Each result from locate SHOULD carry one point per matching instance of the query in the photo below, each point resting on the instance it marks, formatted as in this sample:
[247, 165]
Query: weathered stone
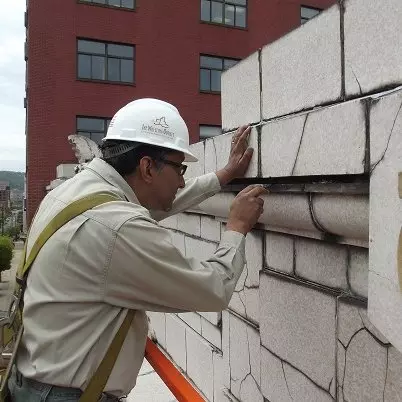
[241, 93]
[372, 45]
[321, 262]
[195, 169]
[365, 370]
[393, 386]
[279, 252]
[176, 340]
[303, 69]
[297, 323]
[358, 271]
[210, 229]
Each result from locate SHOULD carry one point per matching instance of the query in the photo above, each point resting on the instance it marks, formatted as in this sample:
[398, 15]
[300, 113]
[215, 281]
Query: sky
[12, 86]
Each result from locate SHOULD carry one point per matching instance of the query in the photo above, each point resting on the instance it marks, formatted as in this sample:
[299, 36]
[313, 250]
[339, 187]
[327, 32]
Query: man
[115, 257]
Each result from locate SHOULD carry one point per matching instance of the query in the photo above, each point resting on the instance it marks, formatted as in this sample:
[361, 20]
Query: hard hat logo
[161, 122]
[149, 129]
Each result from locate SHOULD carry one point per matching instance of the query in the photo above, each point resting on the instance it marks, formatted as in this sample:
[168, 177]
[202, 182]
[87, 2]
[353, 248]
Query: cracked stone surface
[176, 340]
[244, 354]
[297, 324]
[280, 141]
[200, 363]
[352, 319]
[279, 252]
[217, 152]
[334, 141]
[321, 262]
[341, 358]
[221, 378]
[210, 229]
[250, 391]
[189, 223]
[211, 333]
[372, 35]
[358, 271]
[385, 307]
[393, 386]
[273, 382]
[192, 319]
[365, 369]
[157, 323]
[289, 85]
[241, 94]
[245, 300]
[301, 389]
[196, 169]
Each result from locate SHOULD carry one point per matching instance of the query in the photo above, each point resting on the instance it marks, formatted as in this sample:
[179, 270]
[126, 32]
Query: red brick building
[87, 58]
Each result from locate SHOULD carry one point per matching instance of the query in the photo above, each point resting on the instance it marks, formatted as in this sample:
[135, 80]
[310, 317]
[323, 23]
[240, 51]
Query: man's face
[168, 180]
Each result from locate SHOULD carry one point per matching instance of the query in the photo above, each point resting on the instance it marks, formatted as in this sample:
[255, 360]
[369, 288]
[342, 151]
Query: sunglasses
[182, 168]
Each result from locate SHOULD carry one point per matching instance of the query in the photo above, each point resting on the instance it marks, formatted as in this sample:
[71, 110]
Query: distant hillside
[16, 179]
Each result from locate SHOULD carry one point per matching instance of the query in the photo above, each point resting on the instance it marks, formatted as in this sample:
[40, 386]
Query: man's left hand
[239, 158]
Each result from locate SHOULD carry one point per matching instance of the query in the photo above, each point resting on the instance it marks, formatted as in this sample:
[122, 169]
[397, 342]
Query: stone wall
[325, 107]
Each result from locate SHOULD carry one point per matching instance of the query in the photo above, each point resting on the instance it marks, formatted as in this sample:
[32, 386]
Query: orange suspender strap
[172, 377]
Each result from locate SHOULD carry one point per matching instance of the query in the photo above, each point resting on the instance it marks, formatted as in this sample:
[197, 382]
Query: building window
[306, 13]
[225, 12]
[130, 4]
[211, 70]
[94, 128]
[105, 61]
[209, 131]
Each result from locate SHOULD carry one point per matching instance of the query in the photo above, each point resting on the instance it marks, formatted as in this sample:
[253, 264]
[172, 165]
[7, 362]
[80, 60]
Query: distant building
[5, 200]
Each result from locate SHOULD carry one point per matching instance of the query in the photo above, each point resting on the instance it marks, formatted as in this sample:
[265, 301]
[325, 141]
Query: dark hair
[125, 156]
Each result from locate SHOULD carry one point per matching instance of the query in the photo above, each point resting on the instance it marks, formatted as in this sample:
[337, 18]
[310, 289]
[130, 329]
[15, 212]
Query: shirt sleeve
[195, 191]
[147, 272]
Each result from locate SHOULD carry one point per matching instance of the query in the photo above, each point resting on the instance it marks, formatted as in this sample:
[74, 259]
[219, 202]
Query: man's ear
[146, 169]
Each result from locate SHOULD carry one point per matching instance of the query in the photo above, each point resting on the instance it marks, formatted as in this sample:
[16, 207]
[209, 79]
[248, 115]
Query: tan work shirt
[107, 260]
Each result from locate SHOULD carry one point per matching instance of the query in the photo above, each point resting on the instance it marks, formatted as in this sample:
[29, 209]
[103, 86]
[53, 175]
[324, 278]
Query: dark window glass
[306, 13]
[211, 70]
[225, 12]
[216, 12]
[94, 128]
[229, 14]
[113, 70]
[113, 3]
[98, 68]
[205, 80]
[216, 80]
[126, 70]
[105, 61]
[84, 66]
[205, 10]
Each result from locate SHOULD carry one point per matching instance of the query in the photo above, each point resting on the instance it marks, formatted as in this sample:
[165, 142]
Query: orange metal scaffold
[172, 377]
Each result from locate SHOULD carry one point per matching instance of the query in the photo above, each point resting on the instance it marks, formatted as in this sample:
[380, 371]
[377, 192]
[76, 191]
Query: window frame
[311, 8]
[91, 3]
[222, 24]
[106, 57]
[223, 58]
[81, 132]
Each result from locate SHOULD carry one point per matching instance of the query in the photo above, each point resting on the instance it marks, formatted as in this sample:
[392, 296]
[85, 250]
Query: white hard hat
[154, 122]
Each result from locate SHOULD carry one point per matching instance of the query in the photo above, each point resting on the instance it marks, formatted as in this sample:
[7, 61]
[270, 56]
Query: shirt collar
[103, 169]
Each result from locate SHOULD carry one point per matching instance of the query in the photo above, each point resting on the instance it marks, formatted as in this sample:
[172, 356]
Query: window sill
[217, 24]
[107, 6]
[210, 92]
[130, 84]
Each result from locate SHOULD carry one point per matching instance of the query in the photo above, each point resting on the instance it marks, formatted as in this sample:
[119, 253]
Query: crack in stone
[294, 256]
[389, 139]
[297, 369]
[386, 377]
[348, 258]
[243, 303]
[216, 156]
[358, 83]
[330, 383]
[350, 340]
[373, 335]
[298, 149]
[286, 381]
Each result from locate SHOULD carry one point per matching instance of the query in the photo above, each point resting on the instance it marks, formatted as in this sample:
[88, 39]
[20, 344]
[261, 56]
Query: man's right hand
[246, 209]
